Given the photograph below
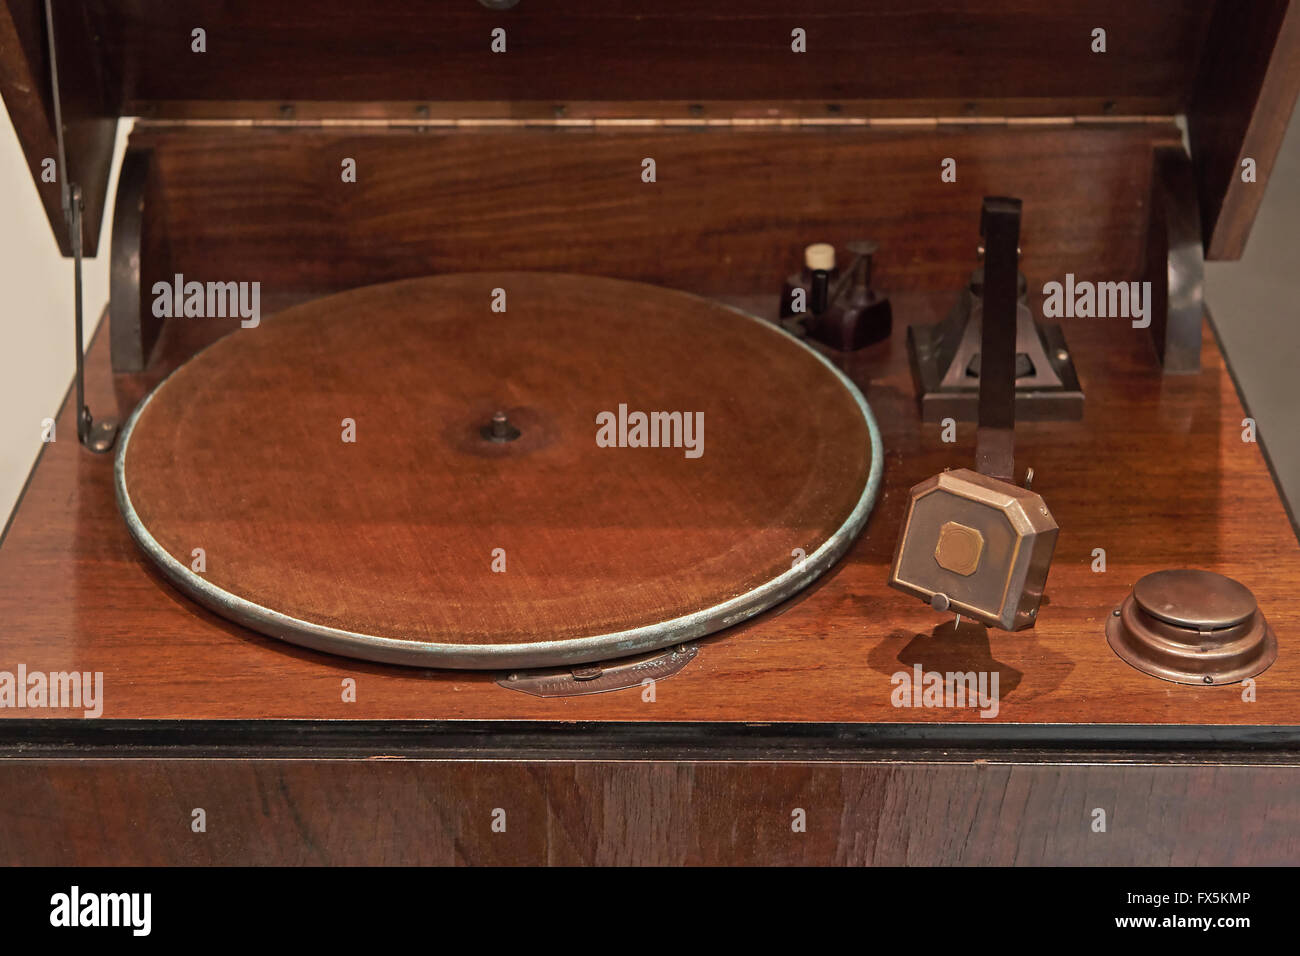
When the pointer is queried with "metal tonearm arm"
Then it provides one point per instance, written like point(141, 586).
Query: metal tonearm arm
point(995, 438)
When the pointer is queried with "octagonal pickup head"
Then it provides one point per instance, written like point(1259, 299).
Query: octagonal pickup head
point(977, 546)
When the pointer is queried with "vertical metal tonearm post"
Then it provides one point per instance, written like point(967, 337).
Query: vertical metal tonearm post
point(995, 437)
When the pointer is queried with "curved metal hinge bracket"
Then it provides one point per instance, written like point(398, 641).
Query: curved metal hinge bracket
point(1175, 262)
point(602, 677)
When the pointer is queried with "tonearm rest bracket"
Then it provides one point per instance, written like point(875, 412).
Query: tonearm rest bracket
point(946, 360)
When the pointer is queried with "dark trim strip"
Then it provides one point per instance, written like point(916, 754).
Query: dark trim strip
point(551, 740)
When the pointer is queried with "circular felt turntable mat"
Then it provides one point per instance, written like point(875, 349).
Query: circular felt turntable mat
point(424, 542)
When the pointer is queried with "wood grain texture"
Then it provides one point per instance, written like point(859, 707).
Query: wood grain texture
point(697, 112)
point(419, 530)
point(89, 114)
point(574, 201)
point(619, 50)
point(887, 812)
point(971, 58)
point(1156, 474)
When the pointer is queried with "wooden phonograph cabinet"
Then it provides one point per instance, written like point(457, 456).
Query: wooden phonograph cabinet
point(734, 432)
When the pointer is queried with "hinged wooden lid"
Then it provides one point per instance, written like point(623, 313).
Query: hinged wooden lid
point(1232, 68)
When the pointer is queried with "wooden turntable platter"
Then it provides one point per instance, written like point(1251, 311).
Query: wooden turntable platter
point(424, 542)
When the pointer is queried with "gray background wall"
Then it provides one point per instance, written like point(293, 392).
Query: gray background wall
point(1256, 307)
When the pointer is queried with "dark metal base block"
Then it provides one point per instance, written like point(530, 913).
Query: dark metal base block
point(1032, 404)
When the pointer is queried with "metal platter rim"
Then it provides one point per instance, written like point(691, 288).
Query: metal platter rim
point(577, 650)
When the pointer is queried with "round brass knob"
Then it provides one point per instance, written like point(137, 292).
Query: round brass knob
point(1192, 627)
point(1201, 600)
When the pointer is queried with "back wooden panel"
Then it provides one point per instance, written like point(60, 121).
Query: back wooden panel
point(729, 212)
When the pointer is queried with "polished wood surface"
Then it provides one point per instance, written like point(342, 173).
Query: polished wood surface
point(729, 213)
point(619, 50)
point(924, 809)
point(1156, 475)
point(1230, 68)
point(414, 528)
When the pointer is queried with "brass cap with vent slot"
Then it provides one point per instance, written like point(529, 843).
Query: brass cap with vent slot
point(1192, 627)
